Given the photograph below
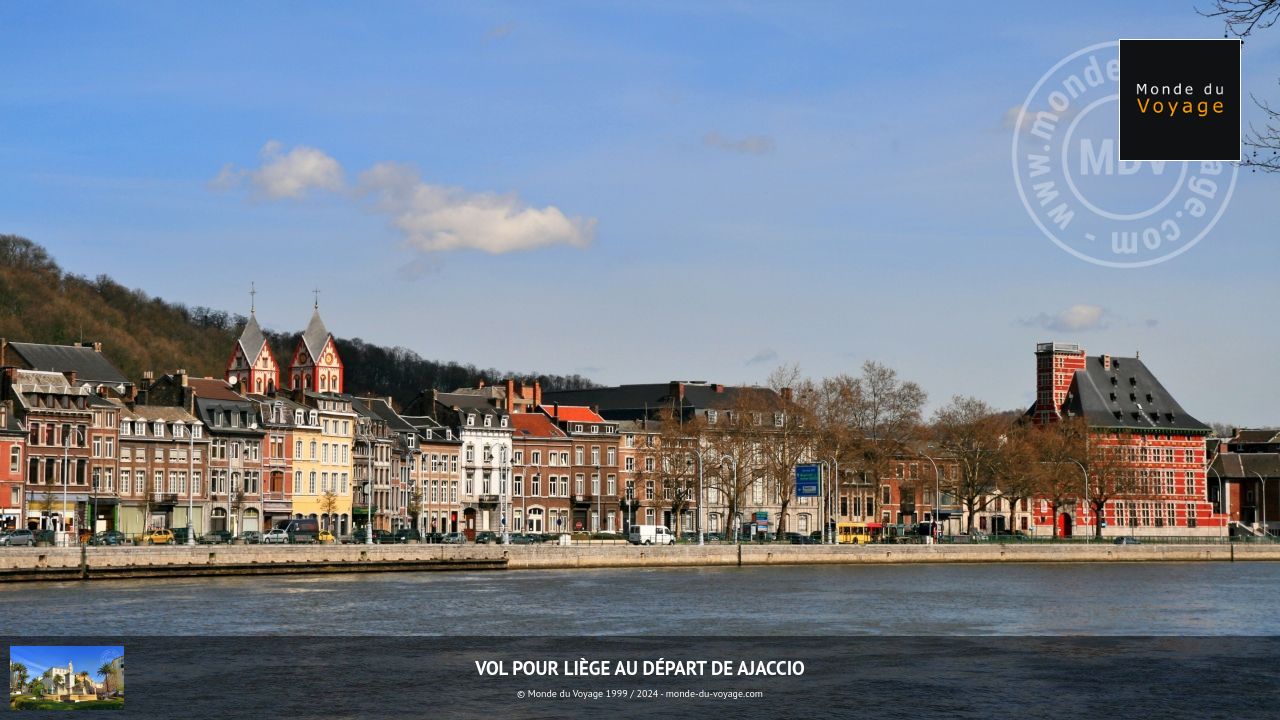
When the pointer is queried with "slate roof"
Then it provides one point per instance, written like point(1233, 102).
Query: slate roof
point(377, 407)
point(1126, 396)
point(315, 336)
point(252, 338)
point(626, 402)
point(1258, 437)
point(1243, 465)
point(89, 365)
point(473, 403)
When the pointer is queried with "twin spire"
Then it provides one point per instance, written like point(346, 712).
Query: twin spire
point(314, 366)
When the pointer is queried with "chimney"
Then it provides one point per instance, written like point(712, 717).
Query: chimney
point(1106, 362)
point(481, 383)
point(97, 347)
point(4, 350)
point(71, 376)
point(537, 392)
point(182, 377)
point(511, 394)
point(676, 390)
point(555, 411)
point(718, 388)
point(786, 394)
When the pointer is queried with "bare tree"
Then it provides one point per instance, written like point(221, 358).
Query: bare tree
point(734, 457)
point(971, 434)
point(1016, 469)
point(1111, 475)
point(1241, 18)
point(786, 435)
point(871, 419)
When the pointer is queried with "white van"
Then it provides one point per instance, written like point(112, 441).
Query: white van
point(651, 535)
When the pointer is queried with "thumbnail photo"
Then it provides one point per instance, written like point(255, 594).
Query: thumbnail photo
point(66, 677)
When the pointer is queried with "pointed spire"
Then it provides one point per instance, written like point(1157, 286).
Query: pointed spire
point(316, 335)
point(253, 292)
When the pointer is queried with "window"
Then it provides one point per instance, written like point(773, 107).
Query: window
point(578, 456)
point(613, 485)
point(629, 463)
point(611, 456)
point(579, 484)
point(535, 485)
point(311, 484)
point(15, 460)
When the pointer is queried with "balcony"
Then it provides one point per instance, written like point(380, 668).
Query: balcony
point(487, 499)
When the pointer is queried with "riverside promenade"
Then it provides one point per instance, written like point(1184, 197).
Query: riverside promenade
point(90, 563)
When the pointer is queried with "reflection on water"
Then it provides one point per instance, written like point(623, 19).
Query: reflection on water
point(1023, 599)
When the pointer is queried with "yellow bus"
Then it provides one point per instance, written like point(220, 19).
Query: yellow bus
point(859, 533)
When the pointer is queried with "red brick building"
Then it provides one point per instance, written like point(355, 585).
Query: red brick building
point(540, 453)
point(1160, 444)
point(594, 490)
point(12, 442)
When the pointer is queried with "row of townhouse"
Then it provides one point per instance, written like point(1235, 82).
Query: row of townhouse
point(83, 447)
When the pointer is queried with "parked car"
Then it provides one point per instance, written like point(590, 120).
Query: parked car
point(799, 539)
point(406, 535)
point(216, 537)
point(379, 536)
point(325, 537)
point(278, 536)
point(108, 537)
point(453, 539)
point(18, 537)
point(487, 537)
point(524, 539)
point(250, 537)
point(1128, 540)
point(160, 536)
point(299, 530)
point(433, 538)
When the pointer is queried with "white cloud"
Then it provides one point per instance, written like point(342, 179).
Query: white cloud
point(435, 218)
point(432, 218)
point(285, 175)
point(749, 145)
point(1077, 318)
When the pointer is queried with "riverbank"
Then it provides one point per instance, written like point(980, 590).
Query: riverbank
point(34, 564)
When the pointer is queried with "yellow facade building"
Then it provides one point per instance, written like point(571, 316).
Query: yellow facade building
point(322, 461)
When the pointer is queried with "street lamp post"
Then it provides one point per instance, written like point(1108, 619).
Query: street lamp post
point(701, 527)
point(191, 479)
point(937, 496)
point(1263, 482)
point(1222, 496)
point(66, 467)
point(1086, 497)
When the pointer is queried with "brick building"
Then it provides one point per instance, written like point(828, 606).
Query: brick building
point(540, 453)
point(1162, 447)
point(594, 493)
point(12, 442)
point(1244, 480)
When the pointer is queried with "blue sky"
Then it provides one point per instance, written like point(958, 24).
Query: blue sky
point(678, 190)
point(86, 658)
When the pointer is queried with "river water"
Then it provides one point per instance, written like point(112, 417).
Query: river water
point(1179, 599)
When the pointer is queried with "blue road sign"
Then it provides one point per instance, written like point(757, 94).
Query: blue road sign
point(808, 480)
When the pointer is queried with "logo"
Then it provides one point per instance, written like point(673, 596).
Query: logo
point(1103, 210)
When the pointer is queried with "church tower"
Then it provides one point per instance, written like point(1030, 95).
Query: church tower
point(316, 365)
point(253, 367)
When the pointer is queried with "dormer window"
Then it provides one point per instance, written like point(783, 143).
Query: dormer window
point(504, 422)
point(471, 420)
point(777, 419)
point(313, 418)
point(157, 428)
point(577, 428)
point(141, 427)
point(488, 420)
point(179, 430)
point(711, 417)
point(595, 429)
point(197, 431)
point(126, 428)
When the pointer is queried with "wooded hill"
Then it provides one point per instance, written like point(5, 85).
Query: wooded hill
point(41, 303)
